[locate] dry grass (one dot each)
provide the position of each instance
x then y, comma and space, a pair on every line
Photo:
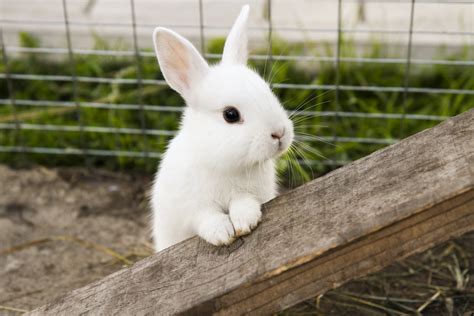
436, 282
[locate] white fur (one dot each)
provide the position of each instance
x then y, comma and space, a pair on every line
215, 175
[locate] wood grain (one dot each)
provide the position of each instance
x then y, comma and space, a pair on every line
354, 221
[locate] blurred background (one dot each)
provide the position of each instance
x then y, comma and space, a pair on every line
80, 85
85, 115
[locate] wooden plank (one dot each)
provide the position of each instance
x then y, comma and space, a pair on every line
356, 220
360, 258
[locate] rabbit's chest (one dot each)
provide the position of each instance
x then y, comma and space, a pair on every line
259, 184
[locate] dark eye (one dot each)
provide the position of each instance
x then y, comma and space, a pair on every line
231, 115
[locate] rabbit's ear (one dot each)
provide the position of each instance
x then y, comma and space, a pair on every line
180, 62
235, 49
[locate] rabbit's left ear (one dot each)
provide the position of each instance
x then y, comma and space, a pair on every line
181, 64
235, 48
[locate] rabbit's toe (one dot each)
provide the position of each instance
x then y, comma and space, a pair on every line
245, 219
217, 229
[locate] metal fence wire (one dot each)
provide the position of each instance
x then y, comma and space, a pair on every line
19, 125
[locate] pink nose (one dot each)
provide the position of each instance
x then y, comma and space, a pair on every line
278, 135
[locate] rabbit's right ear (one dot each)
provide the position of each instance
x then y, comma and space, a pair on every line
235, 48
180, 62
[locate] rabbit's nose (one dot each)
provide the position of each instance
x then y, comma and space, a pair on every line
279, 134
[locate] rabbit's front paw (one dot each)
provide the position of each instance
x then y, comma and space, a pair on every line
245, 215
217, 229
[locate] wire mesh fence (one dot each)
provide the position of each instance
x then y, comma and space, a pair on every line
109, 105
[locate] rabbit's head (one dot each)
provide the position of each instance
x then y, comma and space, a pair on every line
232, 116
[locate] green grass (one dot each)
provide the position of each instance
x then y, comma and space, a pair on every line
357, 74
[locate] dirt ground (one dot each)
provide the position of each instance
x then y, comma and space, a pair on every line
63, 228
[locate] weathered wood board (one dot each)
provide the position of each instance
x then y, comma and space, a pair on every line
354, 221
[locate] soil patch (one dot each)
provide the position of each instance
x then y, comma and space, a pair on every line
64, 228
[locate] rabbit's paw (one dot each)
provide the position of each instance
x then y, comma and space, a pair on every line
216, 228
245, 215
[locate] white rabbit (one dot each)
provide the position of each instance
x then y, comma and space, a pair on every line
219, 169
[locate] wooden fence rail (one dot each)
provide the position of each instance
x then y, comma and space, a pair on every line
354, 221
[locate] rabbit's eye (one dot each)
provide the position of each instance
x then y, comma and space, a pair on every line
231, 115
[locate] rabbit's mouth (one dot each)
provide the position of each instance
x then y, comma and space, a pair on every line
282, 140
282, 147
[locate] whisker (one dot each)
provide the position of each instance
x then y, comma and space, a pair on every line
314, 151
305, 160
305, 101
276, 71
315, 96
310, 126
298, 153
287, 158
310, 149
291, 175
296, 112
302, 119
271, 70
310, 137
295, 170
306, 112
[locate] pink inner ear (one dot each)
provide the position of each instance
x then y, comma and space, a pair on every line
176, 62
184, 80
